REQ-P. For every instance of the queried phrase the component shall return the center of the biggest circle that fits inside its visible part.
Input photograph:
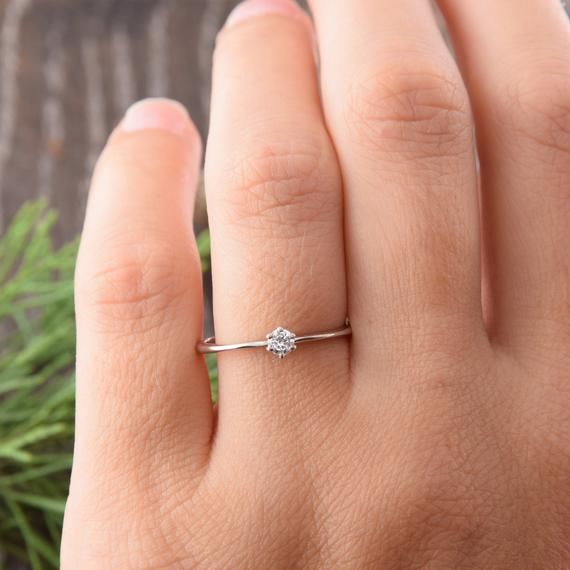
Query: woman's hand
(438, 436)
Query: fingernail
(252, 8)
(161, 114)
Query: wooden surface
(68, 71)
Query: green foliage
(37, 352)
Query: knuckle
(409, 107)
(284, 186)
(443, 527)
(444, 493)
(535, 106)
(134, 282)
(141, 541)
(162, 158)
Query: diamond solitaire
(281, 342)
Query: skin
(438, 435)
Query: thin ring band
(279, 342)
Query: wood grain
(68, 71)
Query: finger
(399, 115)
(275, 208)
(518, 77)
(143, 398)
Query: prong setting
(280, 342)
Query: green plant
(37, 351)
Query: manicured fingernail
(252, 8)
(161, 114)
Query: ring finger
(275, 207)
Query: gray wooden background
(68, 71)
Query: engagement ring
(279, 342)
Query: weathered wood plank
(68, 71)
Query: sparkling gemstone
(281, 342)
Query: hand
(438, 435)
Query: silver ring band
(280, 341)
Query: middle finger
(399, 116)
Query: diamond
(281, 342)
